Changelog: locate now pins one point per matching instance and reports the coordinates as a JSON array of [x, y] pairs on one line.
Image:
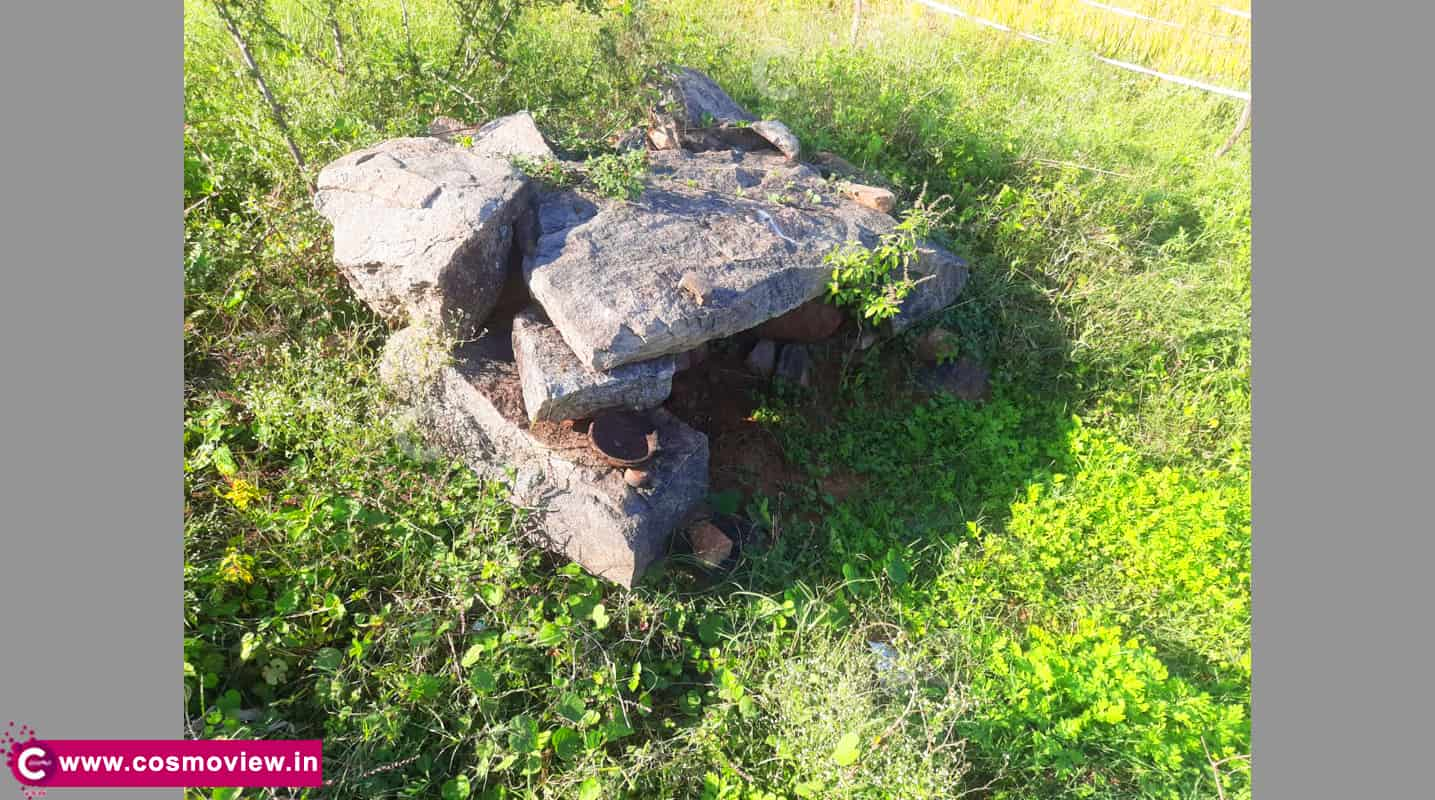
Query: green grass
[[1062, 573]]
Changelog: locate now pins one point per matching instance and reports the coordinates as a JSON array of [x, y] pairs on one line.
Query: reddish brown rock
[[710, 545], [812, 321], [873, 197]]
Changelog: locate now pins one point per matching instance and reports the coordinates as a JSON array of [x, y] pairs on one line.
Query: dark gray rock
[[557, 386], [940, 277], [698, 100], [762, 360], [630, 139], [469, 406], [832, 165], [964, 378], [938, 344], [794, 365], [694, 112], [423, 228], [610, 273]]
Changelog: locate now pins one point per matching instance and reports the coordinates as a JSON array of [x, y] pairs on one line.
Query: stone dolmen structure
[[543, 325]]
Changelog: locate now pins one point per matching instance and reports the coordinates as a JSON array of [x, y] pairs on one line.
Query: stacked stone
[[528, 307]]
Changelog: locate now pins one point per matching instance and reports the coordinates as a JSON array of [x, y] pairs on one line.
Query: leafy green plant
[[548, 170], [617, 175], [874, 281]]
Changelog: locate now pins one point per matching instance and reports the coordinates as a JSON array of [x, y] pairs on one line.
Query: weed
[[618, 175], [875, 281]]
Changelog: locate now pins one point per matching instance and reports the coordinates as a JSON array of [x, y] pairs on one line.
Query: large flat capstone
[[470, 406], [557, 386], [423, 229], [717, 243]]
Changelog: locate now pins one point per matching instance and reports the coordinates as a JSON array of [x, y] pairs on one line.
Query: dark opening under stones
[[623, 438]]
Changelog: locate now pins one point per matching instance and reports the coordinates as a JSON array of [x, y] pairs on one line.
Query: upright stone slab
[[751, 228], [557, 386], [423, 229], [694, 112], [469, 406], [513, 135], [504, 138]]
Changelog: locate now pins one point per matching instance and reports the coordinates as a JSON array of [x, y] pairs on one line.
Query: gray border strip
[[91, 573], [1342, 541]]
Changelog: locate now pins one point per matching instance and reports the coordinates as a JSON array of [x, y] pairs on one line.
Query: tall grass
[[1191, 38]]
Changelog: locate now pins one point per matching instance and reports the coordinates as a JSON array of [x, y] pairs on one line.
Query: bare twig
[[1241, 125], [275, 110], [408, 40], [1215, 771], [201, 201], [465, 95], [303, 48], [856, 21], [338, 34]]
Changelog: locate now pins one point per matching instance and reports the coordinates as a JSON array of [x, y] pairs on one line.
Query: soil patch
[[718, 397]]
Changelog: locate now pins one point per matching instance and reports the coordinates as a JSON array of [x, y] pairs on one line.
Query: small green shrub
[[1089, 712], [618, 175], [875, 281], [550, 171]]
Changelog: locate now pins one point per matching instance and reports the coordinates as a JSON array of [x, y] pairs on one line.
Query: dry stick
[[338, 36], [1241, 125], [303, 48], [462, 50], [856, 20], [1215, 771], [408, 40], [498, 31], [275, 110]]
